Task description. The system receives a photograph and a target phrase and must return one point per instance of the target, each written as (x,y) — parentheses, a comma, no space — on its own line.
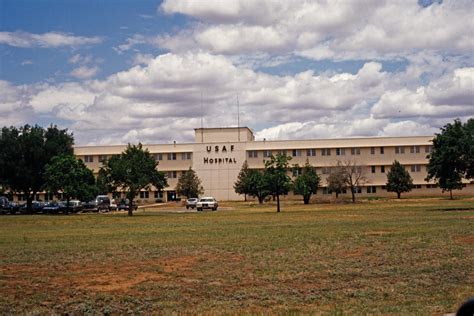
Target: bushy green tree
(24,153)
(451,158)
(399,179)
(132,171)
(256,185)
(307,182)
(71,177)
(189,184)
(241,186)
(336,180)
(276,176)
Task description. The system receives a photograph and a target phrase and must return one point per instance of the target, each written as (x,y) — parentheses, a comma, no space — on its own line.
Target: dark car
(8,207)
(54,207)
(101,203)
(36,207)
(125,204)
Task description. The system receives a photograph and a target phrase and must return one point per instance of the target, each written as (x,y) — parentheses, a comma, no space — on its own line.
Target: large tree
(241,186)
(256,185)
(189,184)
(68,175)
(276,176)
(451,157)
(132,171)
(24,153)
(399,179)
(354,176)
(336,180)
(307,182)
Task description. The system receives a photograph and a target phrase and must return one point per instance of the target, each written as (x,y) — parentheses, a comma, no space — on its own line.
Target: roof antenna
(238,118)
(202,124)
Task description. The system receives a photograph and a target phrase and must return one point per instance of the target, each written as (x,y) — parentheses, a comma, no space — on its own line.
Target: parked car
(36,207)
(124,205)
(113,206)
(207,203)
(101,203)
(191,203)
(75,206)
(54,207)
(7,206)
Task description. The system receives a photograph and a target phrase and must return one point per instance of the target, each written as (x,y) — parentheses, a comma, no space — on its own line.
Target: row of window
(158,156)
(327,170)
(146,195)
(354,151)
(373,189)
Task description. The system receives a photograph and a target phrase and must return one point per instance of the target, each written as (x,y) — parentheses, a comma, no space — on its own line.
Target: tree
(398,179)
(189,184)
(307,183)
(71,177)
(24,153)
(276,178)
(132,171)
(354,176)
(449,160)
(256,185)
(336,180)
(468,143)
(241,186)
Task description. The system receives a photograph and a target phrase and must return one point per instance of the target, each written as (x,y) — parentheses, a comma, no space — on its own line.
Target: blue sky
(127,71)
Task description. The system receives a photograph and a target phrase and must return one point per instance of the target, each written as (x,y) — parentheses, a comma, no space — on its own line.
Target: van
(102,202)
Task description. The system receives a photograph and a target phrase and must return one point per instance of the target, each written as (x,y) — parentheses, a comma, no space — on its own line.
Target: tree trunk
(29,202)
(451,194)
(337,194)
(260,199)
(353,195)
(278,203)
(399,194)
(306,199)
(245,197)
(67,205)
(130,207)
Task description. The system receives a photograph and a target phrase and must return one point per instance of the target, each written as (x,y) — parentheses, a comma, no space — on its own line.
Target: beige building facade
(217,155)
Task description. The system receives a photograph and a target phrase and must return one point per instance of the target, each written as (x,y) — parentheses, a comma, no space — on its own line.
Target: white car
(207,202)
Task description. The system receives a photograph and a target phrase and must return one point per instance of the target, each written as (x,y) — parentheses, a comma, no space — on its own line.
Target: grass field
(383,256)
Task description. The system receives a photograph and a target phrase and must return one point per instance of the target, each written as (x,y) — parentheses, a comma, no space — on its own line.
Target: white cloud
(46,40)
(159,100)
(84,72)
(26,62)
(359,29)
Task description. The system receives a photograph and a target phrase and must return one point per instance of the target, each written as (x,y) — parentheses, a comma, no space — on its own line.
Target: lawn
(412,256)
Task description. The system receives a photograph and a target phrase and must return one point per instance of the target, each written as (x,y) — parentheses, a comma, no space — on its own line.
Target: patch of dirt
(378,233)
(465,240)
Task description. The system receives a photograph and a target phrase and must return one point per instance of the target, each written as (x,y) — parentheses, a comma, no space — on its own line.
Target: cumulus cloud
(319,30)
(84,72)
(46,40)
(159,100)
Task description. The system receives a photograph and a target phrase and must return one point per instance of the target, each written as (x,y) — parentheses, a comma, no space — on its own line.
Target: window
(171,174)
(357,190)
(144,195)
(382,169)
(253,154)
(415,149)
(282,152)
(417,186)
(340,151)
(372,150)
(399,150)
(102,158)
(326,170)
(171,156)
(326,191)
(373,169)
(267,153)
(158,195)
(382,150)
(372,189)
(158,157)
(88,158)
(185,156)
(296,172)
(311,152)
(415,168)
(296,153)
(355,151)
(48,196)
(326,152)
(384,187)
(428,149)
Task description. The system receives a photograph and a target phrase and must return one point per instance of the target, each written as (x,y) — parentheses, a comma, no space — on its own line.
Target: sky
(123,71)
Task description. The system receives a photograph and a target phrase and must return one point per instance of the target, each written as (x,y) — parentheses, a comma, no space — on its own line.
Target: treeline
(34,159)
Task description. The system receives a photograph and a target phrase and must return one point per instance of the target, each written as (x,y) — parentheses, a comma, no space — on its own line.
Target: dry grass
(382,256)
